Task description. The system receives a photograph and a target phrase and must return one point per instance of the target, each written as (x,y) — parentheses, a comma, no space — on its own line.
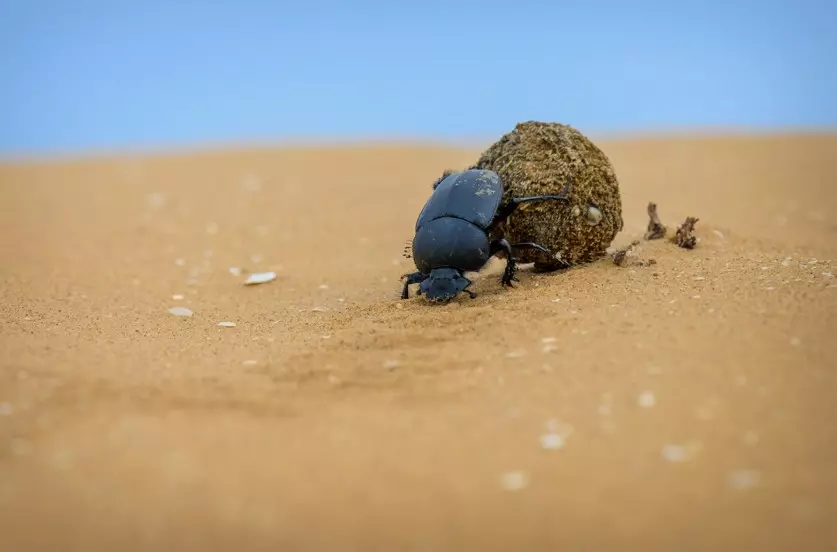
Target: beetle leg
(502,246)
(531,245)
(506,210)
(414,278)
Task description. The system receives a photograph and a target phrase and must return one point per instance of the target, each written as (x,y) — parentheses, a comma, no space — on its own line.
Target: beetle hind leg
(505,211)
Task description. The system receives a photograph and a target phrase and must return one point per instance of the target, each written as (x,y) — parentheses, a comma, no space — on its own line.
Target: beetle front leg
(414,278)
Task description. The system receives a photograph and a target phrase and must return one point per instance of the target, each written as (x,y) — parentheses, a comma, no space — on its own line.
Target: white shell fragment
(552,441)
(515,480)
(260,278)
(227,324)
(646,399)
(180,311)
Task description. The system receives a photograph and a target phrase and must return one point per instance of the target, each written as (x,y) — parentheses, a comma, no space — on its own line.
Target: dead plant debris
(621,256)
(684,238)
(656,229)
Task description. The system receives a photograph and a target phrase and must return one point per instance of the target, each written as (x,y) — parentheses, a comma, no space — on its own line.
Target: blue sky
(109,75)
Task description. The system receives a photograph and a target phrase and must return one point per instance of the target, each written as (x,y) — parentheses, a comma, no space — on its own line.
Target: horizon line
(397,140)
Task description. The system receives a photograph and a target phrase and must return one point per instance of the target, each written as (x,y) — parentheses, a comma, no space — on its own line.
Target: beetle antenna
(408,249)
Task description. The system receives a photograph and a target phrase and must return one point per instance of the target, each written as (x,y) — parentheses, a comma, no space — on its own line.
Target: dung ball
(538,158)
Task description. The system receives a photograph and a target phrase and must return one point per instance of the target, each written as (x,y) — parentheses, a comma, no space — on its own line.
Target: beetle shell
(450,242)
(471,195)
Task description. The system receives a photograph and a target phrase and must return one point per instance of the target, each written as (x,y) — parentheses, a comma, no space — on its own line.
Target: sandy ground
(688,405)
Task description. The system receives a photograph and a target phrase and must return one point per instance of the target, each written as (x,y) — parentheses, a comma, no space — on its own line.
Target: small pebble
(180,311)
(646,399)
(549,339)
(549,348)
(552,441)
(323,286)
(250,362)
(514,480)
(674,453)
(177,297)
(227,324)
(743,479)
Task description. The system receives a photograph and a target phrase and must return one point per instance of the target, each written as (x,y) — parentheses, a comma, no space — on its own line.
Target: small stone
(325,337)
(552,441)
(227,324)
(646,399)
(740,480)
(399,306)
(674,453)
(156,200)
(548,339)
(549,348)
(323,286)
(177,297)
(514,480)
(250,362)
(180,311)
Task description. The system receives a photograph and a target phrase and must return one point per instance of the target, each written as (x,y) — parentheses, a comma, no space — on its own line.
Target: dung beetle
(452,234)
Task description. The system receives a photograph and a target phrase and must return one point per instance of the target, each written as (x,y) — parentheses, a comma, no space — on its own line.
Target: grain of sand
(686,405)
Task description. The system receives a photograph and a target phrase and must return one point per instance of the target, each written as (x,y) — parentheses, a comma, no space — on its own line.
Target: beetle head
(444,284)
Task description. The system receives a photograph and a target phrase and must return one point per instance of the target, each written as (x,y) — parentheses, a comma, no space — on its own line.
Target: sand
(686,405)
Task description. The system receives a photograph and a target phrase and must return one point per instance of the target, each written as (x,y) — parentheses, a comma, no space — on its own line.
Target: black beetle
(452,234)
